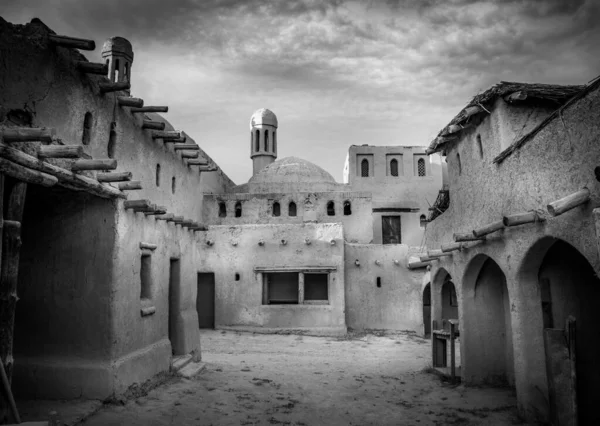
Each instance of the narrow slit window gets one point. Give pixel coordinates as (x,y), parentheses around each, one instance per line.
(364,168)
(422,221)
(146,277)
(173,185)
(266,140)
(276,209)
(222,210)
(112,141)
(87,128)
(274,141)
(292,209)
(421,167)
(331,208)
(257,140)
(394,167)
(158,175)
(117,66)
(479,146)
(347,208)
(238,209)
(459,164)
(126,72)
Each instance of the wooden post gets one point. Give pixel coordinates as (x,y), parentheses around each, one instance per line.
(569,202)
(103,164)
(187,146)
(190,154)
(60,151)
(150,109)
(114,87)
(27,134)
(153,125)
(11,245)
(197,162)
(488,229)
(132,204)
(451,247)
(25,174)
(75,43)
(92,68)
(169,134)
(126,101)
(522,218)
(463,237)
(114,177)
(130,186)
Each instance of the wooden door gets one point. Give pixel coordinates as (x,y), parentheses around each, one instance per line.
(205,300)
(390,229)
(427,310)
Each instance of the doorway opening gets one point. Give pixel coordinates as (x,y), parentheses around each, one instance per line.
(391,230)
(427,310)
(174,302)
(205,300)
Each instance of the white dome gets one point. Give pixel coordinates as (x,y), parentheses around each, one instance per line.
(263,116)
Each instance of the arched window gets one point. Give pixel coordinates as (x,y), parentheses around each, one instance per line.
(222,209)
(331,208)
(117,66)
(158,175)
(274,141)
(421,167)
(126,72)
(173,184)
(479,146)
(422,220)
(394,167)
(112,140)
(276,209)
(87,128)
(266,140)
(364,168)
(347,208)
(292,209)
(257,141)
(459,165)
(238,209)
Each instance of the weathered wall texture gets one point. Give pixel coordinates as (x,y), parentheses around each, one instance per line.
(556,162)
(397,303)
(239,303)
(408,190)
(258,209)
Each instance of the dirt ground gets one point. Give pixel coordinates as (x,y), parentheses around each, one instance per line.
(255,379)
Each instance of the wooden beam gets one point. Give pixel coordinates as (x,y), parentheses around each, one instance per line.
(199,227)
(437,253)
(452,128)
(516,97)
(177,219)
(25,174)
(188,146)
(157,210)
(416,265)
(207,169)
(133,204)
(167,135)
(148,246)
(165,216)
(65,177)
(463,237)
(130,186)
(189,224)
(522,218)
(153,125)
(114,87)
(27,134)
(75,43)
(197,162)
(150,109)
(569,202)
(92,67)
(114,177)
(60,151)
(175,140)
(425,258)
(188,154)
(102,164)
(127,101)
(451,247)
(472,110)
(488,229)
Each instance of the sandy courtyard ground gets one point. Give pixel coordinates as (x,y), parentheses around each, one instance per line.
(254,379)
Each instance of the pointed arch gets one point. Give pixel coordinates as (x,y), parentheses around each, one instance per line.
(276,209)
(222,209)
(347,208)
(88,121)
(364,168)
(292,209)
(421,167)
(330,208)
(394,167)
(238,209)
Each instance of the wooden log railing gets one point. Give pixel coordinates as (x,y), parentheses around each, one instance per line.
(100,164)
(92,68)
(130,186)
(150,109)
(114,177)
(522,218)
(127,101)
(488,229)
(569,202)
(114,87)
(73,42)
(467,236)
(65,177)
(60,151)
(153,125)
(27,134)
(186,146)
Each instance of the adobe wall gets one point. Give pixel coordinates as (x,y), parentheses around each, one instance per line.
(558,161)
(397,303)
(239,303)
(258,209)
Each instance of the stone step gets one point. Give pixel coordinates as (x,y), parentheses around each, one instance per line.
(192,369)
(178,362)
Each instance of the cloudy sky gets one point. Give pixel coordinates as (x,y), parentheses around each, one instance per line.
(335,72)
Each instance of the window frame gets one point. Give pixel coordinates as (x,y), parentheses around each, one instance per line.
(301,273)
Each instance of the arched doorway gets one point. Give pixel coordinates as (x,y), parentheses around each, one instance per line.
(449,300)
(445,330)
(487,329)
(569,286)
(427,310)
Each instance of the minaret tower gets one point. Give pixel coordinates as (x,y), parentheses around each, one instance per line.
(263,139)
(118,55)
